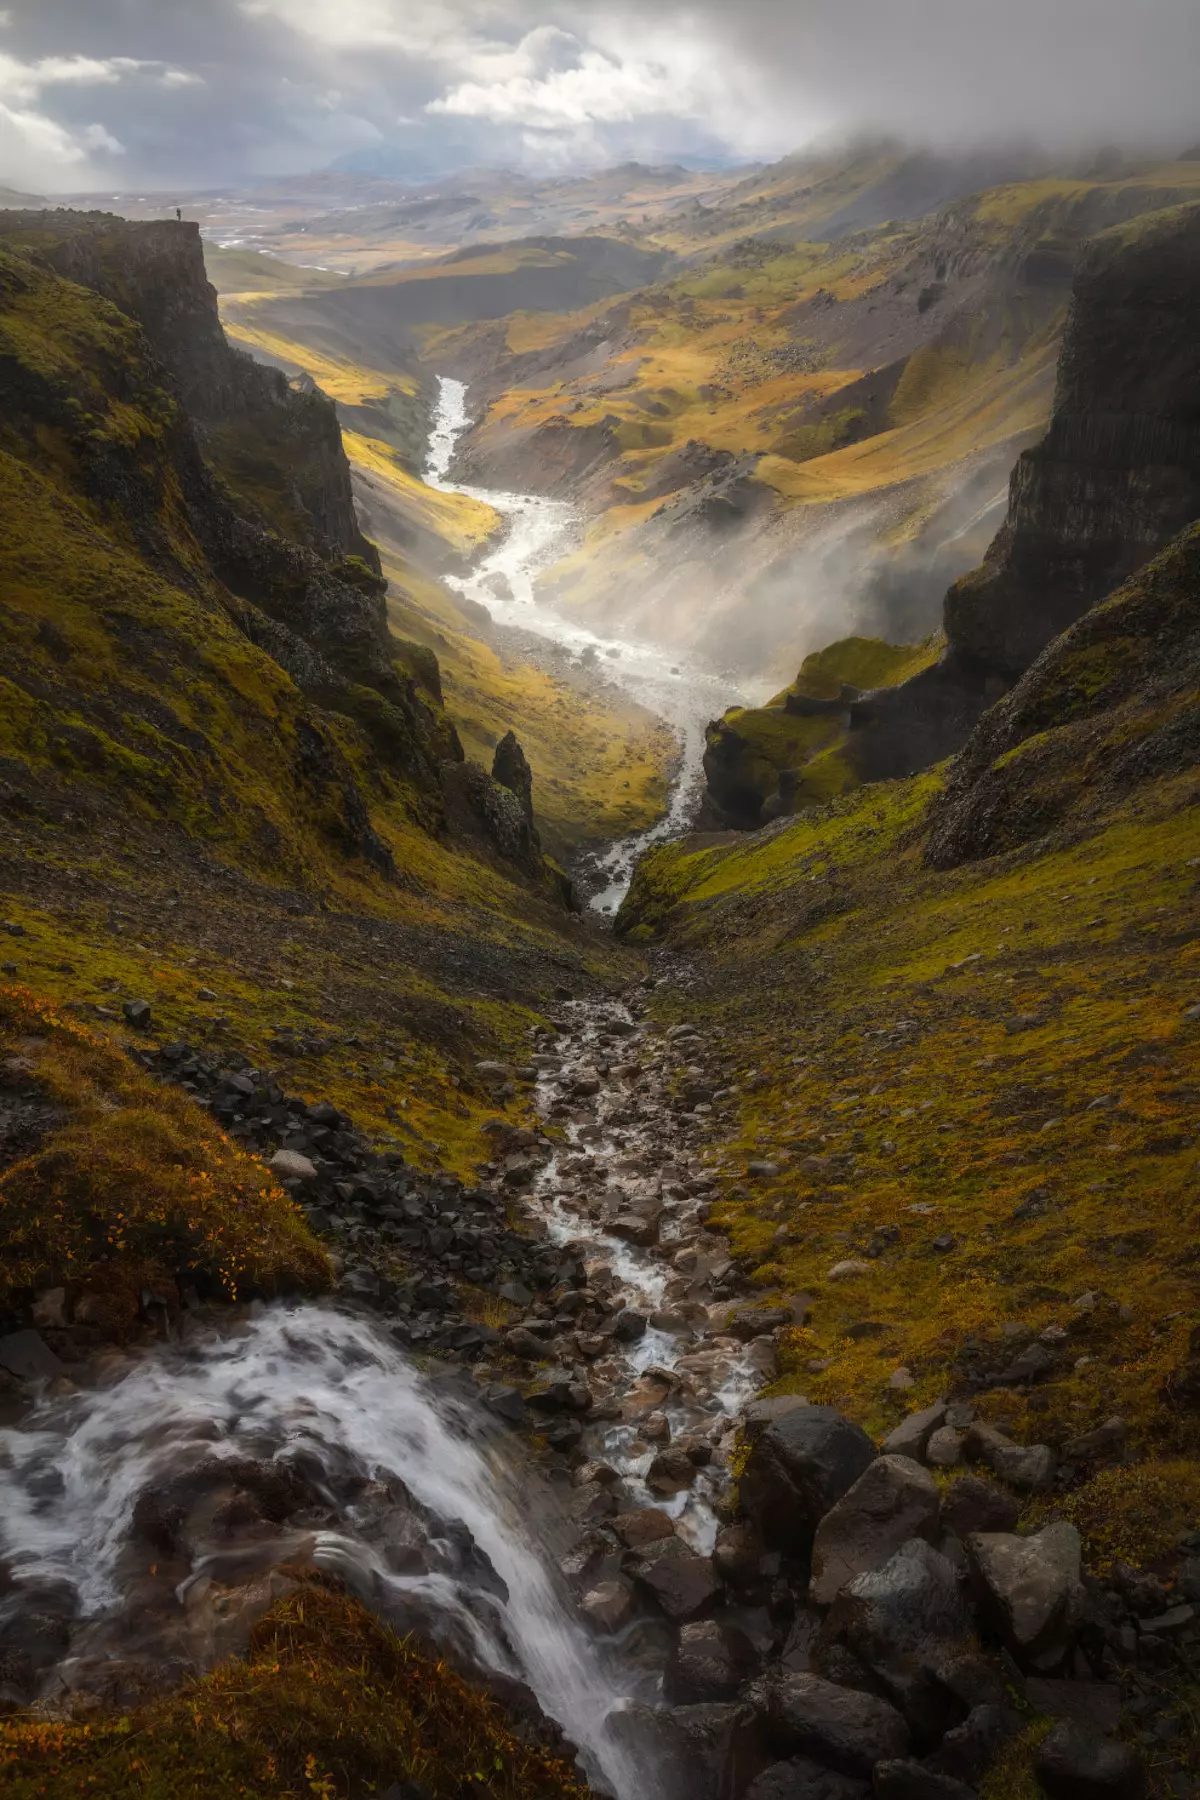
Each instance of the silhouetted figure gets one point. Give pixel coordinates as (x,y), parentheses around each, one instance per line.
(179,213)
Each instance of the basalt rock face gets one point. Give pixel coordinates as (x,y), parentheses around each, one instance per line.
(1115,479)
(1118,473)
(279,442)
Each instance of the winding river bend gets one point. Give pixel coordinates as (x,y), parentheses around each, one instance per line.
(679,690)
(432,1514)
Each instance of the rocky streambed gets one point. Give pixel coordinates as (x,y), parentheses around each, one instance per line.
(515,1431)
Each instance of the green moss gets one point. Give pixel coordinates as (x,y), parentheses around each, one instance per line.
(132,1185)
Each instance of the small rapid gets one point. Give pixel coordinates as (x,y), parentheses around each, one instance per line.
(671,685)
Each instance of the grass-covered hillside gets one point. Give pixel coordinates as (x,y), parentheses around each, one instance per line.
(795,752)
(219,771)
(960,1019)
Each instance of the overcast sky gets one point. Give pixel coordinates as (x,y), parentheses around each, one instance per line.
(161,93)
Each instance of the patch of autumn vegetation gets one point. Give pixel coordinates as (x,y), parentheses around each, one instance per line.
(328,1704)
(130,1184)
(1134,1513)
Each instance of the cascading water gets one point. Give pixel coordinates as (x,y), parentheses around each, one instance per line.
(678,690)
(316,1384)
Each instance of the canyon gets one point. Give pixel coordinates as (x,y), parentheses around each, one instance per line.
(571,1214)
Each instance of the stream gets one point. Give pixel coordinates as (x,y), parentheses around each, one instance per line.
(684,693)
(148,1503)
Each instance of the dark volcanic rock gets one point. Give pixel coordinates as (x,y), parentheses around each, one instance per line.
(903,1622)
(801,1464)
(850,1731)
(892,1501)
(1072,1764)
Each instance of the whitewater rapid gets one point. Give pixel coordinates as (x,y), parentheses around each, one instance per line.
(671,685)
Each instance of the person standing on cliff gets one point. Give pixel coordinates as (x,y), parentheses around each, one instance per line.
(179,213)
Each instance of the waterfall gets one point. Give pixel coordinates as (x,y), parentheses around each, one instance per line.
(313,1383)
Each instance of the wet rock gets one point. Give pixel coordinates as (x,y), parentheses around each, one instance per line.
(608,1606)
(971,1505)
(737,1554)
(645,1526)
(290,1165)
(1074,1764)
(892,1501)
(628,1326)
(908,1780)
(903,1621)
(709,1663)
(849,1731)
(506,1402)
(684,1585)
(26,1355)
(671,1472)
(1032,1589)
(802,1779)
(800,1465)
(910,1437)
(690,1752)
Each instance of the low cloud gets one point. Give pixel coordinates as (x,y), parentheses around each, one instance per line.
(208,91)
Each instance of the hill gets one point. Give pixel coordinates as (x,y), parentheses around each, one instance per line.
(221,769)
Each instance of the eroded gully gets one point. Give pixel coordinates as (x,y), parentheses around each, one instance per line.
(391,1474)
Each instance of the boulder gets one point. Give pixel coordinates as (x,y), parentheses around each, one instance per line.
(910,1437)
(737,1554)
(1030,1467)
(761,1413)
(968,1749)
(688,1752)
(684,1585)
(800,1779)
(671,1472)
(290,1165)
(903,1622)
(709,1663)
(905,1779)
(892,1501)
(1074,1764)
(800,1465)
(750,1322)
(646,1525)
(970,1504)
(1032,1589)
(849,1731)
(27,1355)
(608,1606)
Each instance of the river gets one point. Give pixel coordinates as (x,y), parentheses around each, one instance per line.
(670,684)
(439,1520)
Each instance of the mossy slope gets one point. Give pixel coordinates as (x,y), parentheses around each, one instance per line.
(794,752)
(326,1703)
(978,1082)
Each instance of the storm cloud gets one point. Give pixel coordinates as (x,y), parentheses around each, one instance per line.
(119,93)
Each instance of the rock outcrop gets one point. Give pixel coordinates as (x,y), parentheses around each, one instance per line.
(1116,477)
